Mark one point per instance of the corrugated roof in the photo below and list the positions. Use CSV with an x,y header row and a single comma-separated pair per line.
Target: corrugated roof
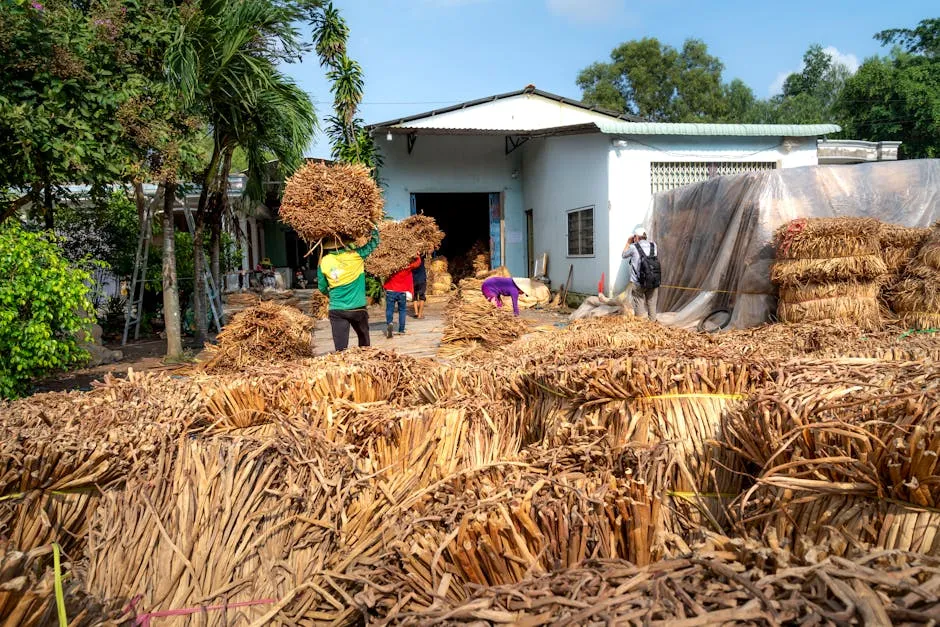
x,y
726,130
512,94
570,129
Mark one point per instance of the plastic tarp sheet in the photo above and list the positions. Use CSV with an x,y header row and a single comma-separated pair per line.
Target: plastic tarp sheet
x,y
716,237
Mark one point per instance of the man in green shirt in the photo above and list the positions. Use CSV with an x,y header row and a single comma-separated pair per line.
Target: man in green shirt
x,y
341,276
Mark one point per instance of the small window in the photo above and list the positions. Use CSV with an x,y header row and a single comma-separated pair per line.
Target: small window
x,y
581,232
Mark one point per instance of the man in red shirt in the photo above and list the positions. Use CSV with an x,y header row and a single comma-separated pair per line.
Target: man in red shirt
x,y
396,289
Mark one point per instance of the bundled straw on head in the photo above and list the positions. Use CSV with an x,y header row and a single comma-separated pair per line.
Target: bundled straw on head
x,y
398,247
267,333
425,229
331,201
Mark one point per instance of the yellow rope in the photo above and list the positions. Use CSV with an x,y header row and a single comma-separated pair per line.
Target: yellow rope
x,y
19,495
59,595
726,397
691,496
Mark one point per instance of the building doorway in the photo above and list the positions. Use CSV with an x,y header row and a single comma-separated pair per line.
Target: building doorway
x,y
464,219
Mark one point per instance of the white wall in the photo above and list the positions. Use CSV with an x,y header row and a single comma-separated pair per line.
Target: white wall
x,y
457,164
564,173
630,175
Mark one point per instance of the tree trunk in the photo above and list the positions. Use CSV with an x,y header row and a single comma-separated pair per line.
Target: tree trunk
x,y
200,298
215,246
47,204
217,212
140,200
199,289
171,295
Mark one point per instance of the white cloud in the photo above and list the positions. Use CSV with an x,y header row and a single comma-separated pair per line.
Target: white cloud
x,y
586,11
847,59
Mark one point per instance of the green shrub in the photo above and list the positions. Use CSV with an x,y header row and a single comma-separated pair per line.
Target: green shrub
x,y
43,309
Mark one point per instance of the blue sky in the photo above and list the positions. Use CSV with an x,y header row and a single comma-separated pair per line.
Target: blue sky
x,y
424,54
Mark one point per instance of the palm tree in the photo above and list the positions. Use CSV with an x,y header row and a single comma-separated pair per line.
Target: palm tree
x,y
351,143
224,58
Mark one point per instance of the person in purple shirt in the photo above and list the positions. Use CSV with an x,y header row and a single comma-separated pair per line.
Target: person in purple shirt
x,y
494,288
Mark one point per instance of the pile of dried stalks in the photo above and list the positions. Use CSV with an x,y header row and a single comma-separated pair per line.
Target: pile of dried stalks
x,y
471,322
829,269
340,201
279,530
398,247
651,399
899,244
428,234
27,591
724,582
508,523
844,454
268,333
916,297
319,305
60,451
440,281
473,262
242,299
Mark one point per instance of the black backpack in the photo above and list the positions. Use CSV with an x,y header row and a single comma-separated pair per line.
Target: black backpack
x,y
650,272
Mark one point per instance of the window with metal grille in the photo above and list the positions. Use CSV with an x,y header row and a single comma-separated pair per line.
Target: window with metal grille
x,y
668,175
581,232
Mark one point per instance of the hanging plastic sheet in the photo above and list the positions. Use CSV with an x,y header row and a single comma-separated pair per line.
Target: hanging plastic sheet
x,y
716,237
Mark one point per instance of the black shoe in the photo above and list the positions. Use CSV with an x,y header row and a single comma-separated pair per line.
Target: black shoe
x,y
388,331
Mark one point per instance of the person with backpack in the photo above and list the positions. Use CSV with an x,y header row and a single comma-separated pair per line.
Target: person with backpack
x,y
645,273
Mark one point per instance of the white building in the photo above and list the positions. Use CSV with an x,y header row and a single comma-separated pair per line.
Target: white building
x,y
537,173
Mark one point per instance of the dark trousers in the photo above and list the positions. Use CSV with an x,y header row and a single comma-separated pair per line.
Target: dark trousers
x,y
340,321
391,300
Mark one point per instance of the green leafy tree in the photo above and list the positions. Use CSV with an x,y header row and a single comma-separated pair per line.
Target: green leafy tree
x,y
61,85
898,97
225,61
105,230
350,141
657,82
809,96
44,308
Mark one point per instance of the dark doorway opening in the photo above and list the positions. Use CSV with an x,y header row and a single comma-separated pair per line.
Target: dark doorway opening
x,y
464,218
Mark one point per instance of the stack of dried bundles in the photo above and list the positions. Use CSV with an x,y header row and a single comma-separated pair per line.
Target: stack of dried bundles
x,y
722,583
899,244
334,202
647,399
440,282
59,451
471,321
829,269
426,231
276,530
844,454
354,379
398,247
916,297
505,523
434,441
268,333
